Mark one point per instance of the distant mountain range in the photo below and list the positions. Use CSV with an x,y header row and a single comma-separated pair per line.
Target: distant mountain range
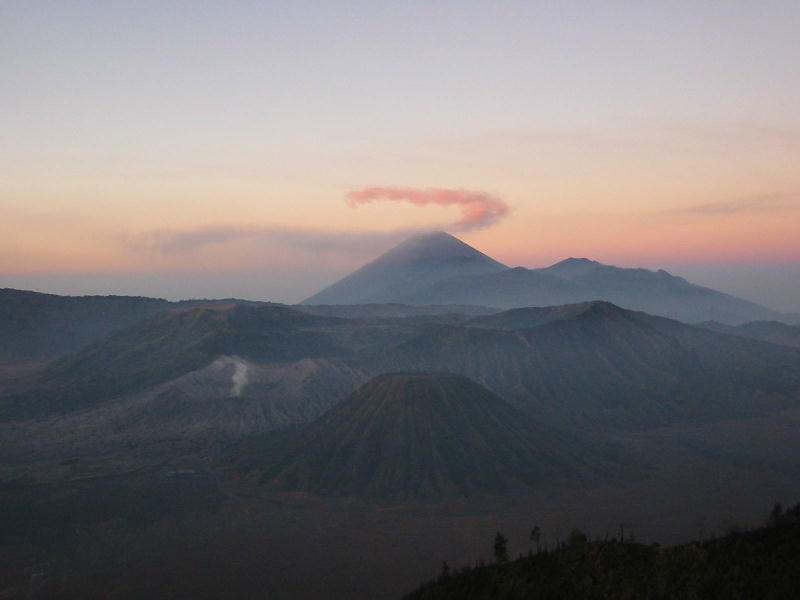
x,y
438,269
234,368
424,276
36,326
39,327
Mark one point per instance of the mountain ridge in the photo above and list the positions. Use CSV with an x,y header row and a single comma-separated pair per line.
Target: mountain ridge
x,y
598,366
426,276
167,345
592,366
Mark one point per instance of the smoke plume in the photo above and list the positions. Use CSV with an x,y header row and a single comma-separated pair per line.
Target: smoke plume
x,y
239,377
478,209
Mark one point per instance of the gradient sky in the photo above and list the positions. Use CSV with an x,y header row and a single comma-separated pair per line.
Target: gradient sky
x,y
186,149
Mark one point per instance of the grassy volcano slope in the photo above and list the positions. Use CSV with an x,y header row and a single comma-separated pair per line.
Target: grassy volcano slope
x,y
424,435
763,563
164,347
597,366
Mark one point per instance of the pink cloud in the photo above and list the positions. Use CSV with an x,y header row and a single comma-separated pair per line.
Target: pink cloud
x,y
478,209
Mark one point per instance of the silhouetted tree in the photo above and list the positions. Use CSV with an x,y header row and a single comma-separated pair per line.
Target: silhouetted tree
x,y
445,571
576,537
776,514
536,536
500,548
765,560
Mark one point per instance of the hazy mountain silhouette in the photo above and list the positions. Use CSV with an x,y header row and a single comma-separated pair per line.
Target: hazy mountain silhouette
x,y
425,435
767,331
35,326
407,269
39,327
438,269
389,310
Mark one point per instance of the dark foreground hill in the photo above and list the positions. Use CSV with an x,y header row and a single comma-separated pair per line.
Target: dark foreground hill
x,y
412,435
763,563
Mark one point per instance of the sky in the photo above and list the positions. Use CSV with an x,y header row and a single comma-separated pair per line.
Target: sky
x,y
265,149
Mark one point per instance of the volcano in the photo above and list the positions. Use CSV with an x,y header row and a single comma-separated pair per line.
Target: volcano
x,y
424,435
439,269
407,269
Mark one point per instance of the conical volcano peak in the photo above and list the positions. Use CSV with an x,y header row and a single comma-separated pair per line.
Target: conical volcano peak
x,y
435,245
572,263
413,435
399,274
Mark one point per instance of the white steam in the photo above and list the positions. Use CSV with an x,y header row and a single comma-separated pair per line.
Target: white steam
x,y
239,377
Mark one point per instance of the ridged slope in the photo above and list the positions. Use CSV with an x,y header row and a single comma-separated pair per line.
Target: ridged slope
x,y
597,366
412,435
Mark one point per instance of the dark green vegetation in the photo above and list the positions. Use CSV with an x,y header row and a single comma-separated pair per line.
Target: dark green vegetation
x,y
763,563
440,269
426,435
